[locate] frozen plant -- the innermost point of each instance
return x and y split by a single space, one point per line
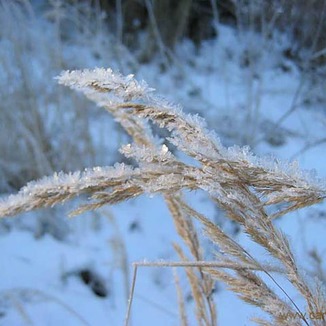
237 181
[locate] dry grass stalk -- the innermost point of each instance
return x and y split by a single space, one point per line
181 301
201 284
243 185
201 288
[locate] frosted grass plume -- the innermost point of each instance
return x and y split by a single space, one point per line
243 185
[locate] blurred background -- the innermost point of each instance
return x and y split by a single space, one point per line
255 70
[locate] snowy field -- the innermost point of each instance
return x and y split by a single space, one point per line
78 271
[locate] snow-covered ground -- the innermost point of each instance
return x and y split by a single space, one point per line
43 277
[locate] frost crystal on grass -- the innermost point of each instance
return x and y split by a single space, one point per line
145 154
105 80
50 191
220 173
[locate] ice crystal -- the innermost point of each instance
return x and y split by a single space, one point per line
105 80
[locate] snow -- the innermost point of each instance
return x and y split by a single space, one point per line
39 275
41 265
